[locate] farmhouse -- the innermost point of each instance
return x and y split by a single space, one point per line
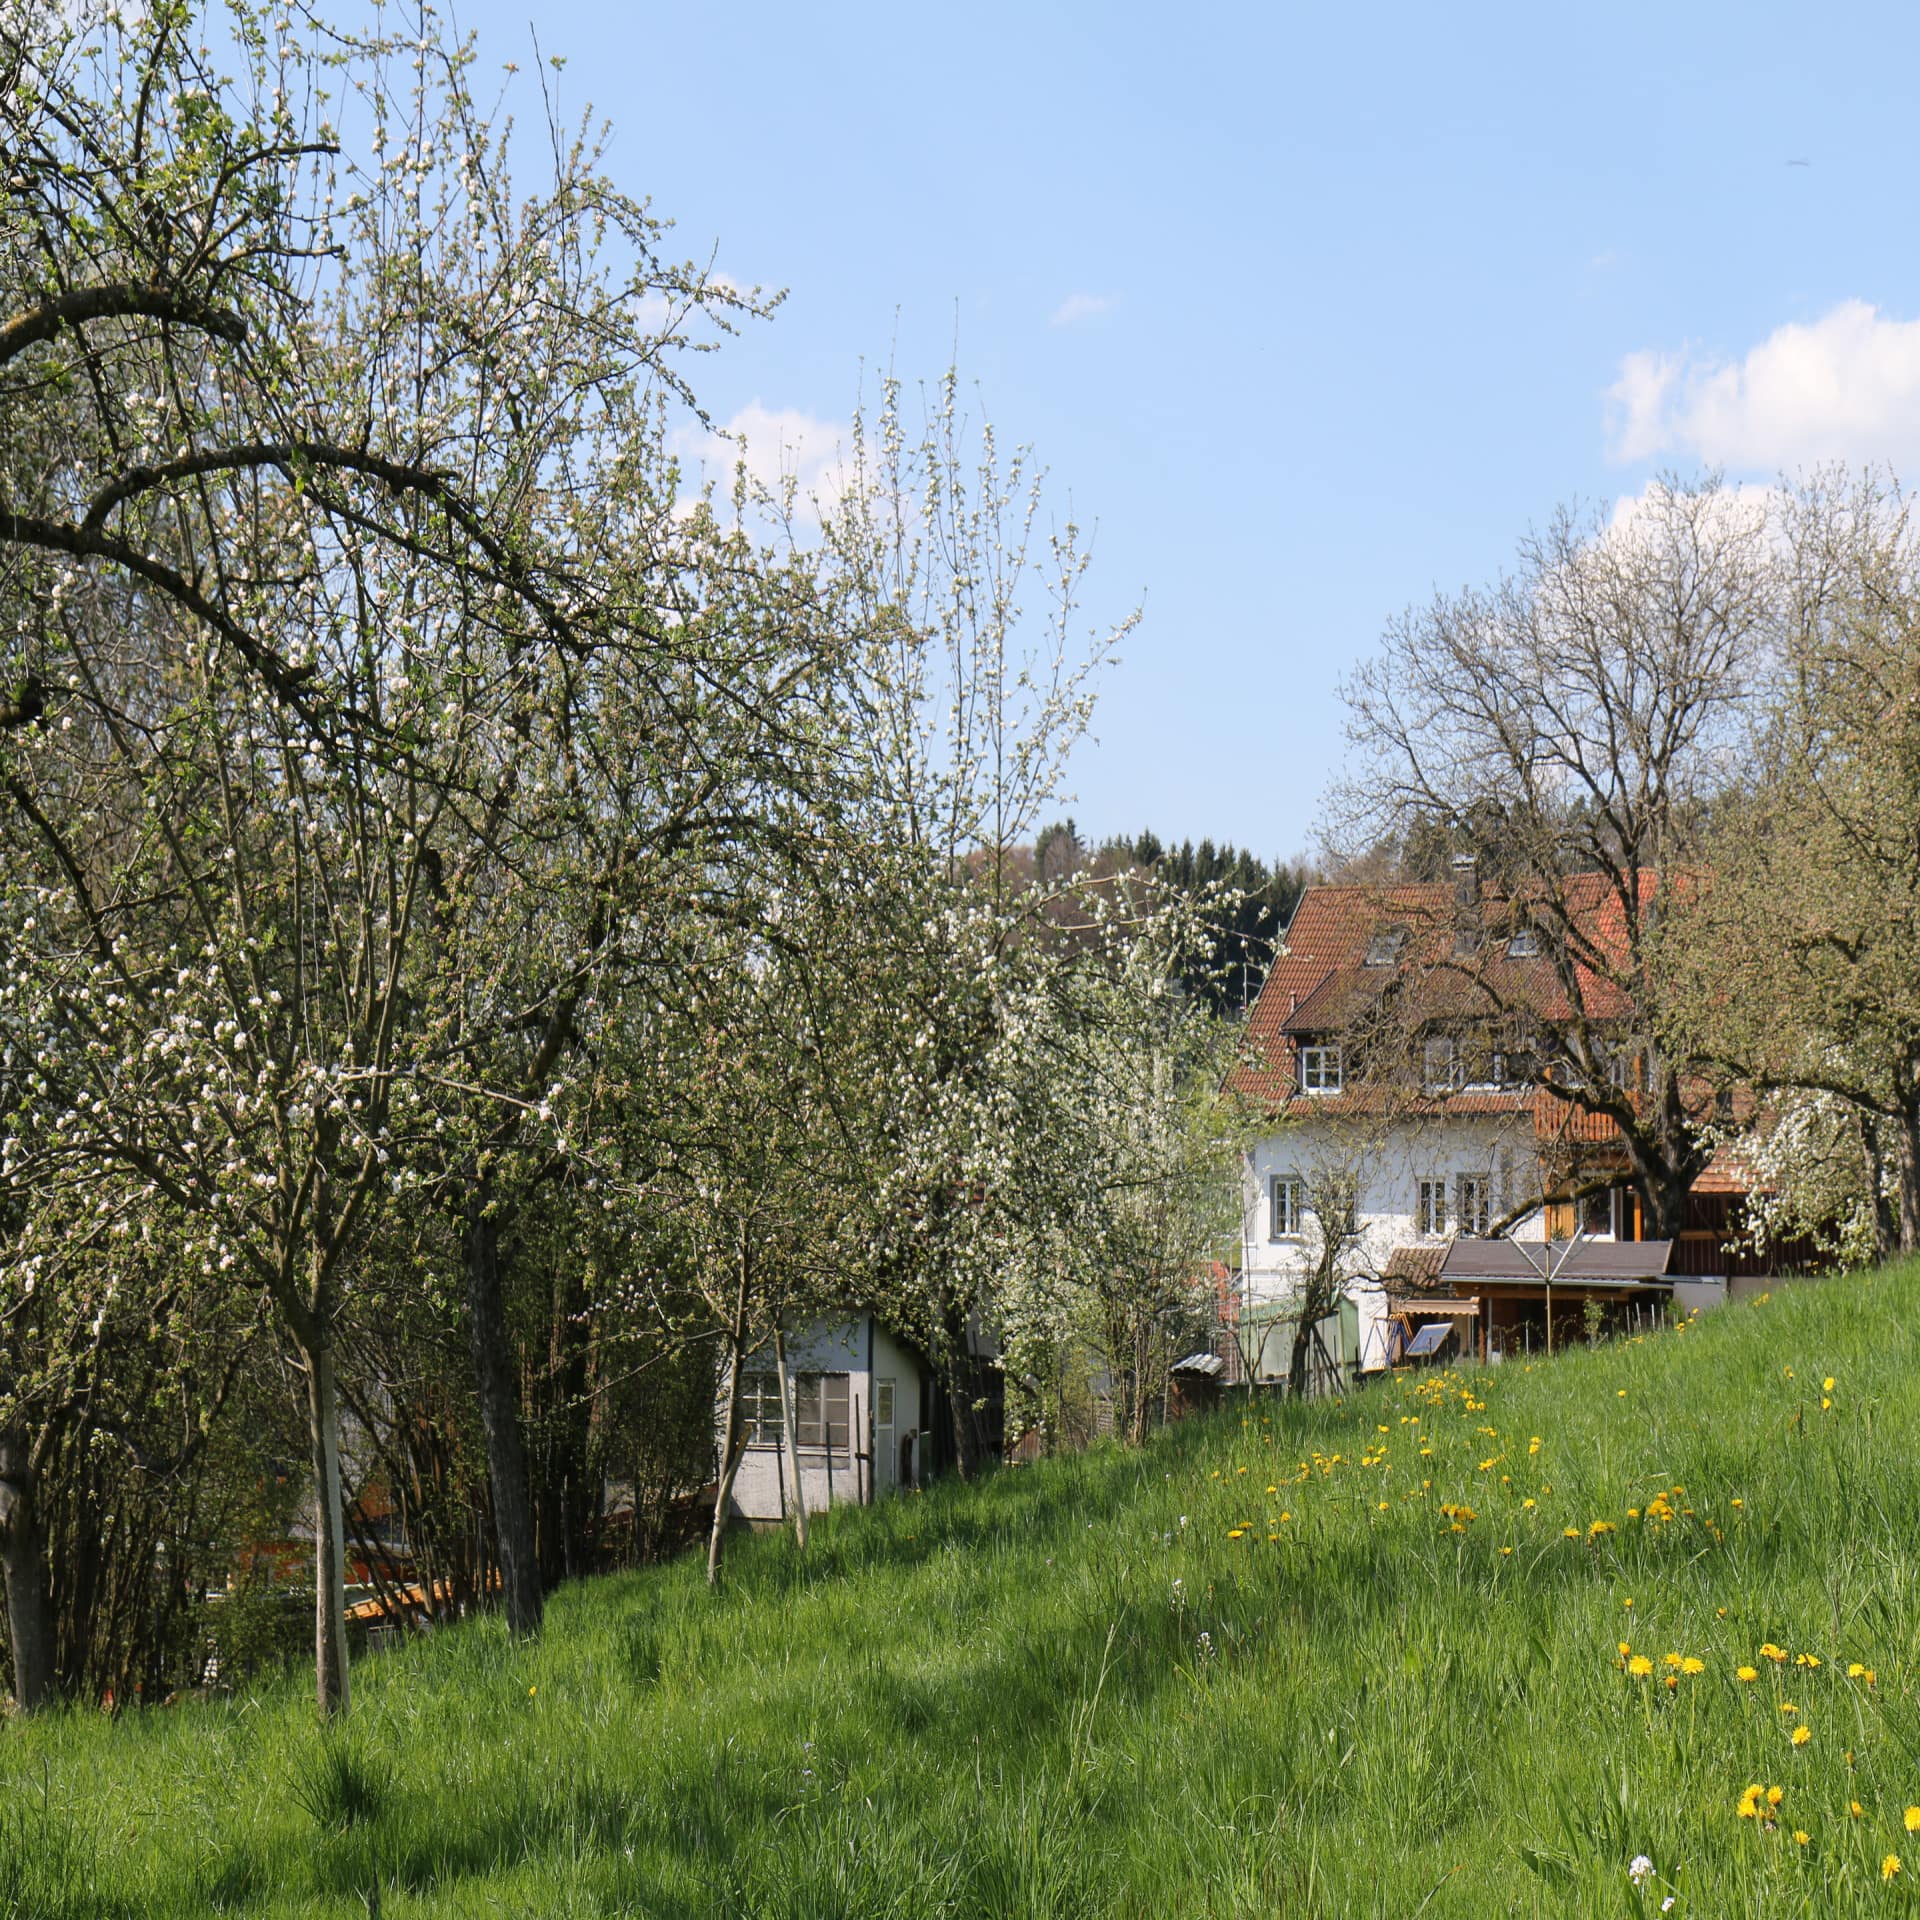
1439 1065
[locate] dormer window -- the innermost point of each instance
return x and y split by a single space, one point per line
1319 1069
1383 950
1443 1068
1525 945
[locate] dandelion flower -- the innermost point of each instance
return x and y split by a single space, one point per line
1801 1836
1773 1653
1639 1666
1693 1664
1801 1735
1746 1673
1775 1795
1570 1533
1912 1819
1599 1527
1890 1866
1787 1706
1854 1669
1826 1385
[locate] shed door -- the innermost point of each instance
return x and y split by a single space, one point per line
886 1460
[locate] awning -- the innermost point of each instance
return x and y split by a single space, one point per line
1417 1303
1566 1263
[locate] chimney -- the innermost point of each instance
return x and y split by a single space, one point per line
1466 902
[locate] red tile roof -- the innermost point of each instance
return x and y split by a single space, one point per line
1320 980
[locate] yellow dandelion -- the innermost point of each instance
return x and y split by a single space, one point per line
1234 1533
1693 1664
1669 1659
1787 1706
1624 1649
1570 1533
1773 1653
1890 1866
1775 1795
1826 1385
1801 1836
1639 1666
1855 1808
1854 1669
1801 1735
1911 1818
1599 1527
1746 1673
1749 1808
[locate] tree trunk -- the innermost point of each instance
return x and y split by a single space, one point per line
329 1531
730 1445
1297 1360
499 1402
23 1562
790 1440
1904 1202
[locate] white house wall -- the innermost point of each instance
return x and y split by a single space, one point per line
1497 1147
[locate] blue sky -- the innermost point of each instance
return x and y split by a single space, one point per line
1307 311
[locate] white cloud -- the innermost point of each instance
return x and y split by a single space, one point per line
776 445
1845 387
1078 307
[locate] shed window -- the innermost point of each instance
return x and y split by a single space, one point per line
760 1422
821 1411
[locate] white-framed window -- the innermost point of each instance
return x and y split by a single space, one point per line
1525 944
1476 1204
1283 1207
1319 1069
760 1423
1430 1208
1442 1067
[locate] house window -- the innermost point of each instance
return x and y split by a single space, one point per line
1525 945
760 1423
1430 1210
1383 950
1283 1207
1475 1204
1443 1067
1596 1213
821 1411
1320 1069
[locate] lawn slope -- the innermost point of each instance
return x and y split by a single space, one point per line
1378 1658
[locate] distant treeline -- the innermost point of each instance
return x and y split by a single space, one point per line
1246 930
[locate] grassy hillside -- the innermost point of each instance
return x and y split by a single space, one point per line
1259 1669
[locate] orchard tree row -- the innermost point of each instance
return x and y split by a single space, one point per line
493 934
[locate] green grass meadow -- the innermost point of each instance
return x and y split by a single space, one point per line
1257 1669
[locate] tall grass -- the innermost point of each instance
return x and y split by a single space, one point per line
1253 1670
